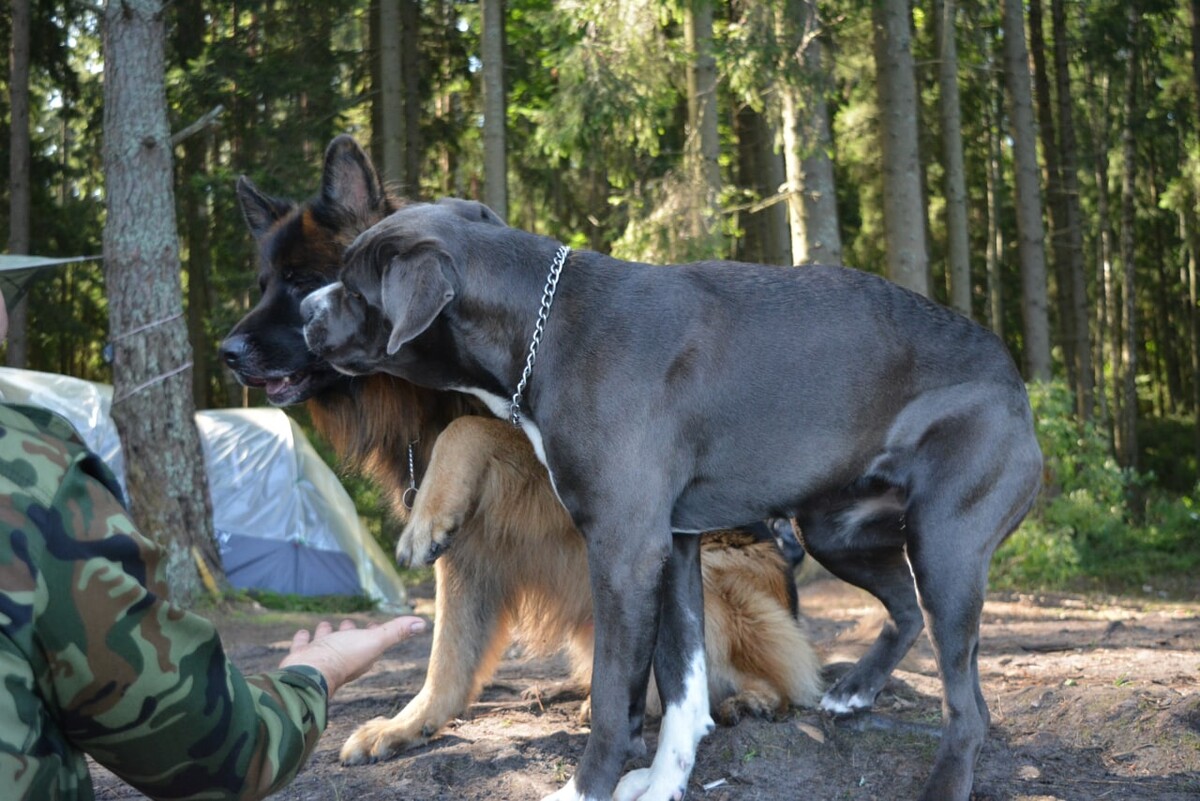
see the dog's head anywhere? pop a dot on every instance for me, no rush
(398, 277)
(300, 249)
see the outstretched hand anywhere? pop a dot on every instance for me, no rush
(343, 655)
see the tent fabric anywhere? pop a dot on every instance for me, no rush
(283, 520)
(17, 272)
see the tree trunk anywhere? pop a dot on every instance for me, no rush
(1045, 128)
(391, 95)
(959, 267)
(495, 160)
(189, 45)
(1030, 232)
(807, 143)
(1192, 229)
(1196, 57)
(1072, 229)
(760, 171)
(18, 176)
(994, 109)
(410, 54)
(1194, 240)
(703, 133)
(152, 403)
(903, 200)
(1127, 428)
(771, 175)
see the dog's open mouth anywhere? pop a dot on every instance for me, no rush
(282, 390)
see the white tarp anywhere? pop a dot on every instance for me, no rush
(283, 520)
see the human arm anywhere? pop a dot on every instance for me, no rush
(98, 661)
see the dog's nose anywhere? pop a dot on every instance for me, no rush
(233, 350)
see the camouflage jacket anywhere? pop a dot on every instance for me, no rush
(94, 659)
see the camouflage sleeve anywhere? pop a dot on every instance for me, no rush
(93, 660)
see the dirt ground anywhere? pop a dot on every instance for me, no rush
(1090, 698)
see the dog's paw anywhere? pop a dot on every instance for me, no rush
(633, 785)
(424, 539)
(750, 704)
(380, 739)
(846, 701)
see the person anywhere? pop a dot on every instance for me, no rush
(95, 660)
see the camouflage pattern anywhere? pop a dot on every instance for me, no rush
(94, 659)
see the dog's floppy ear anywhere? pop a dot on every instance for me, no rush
(261, 211)
(349, 181)
(472, 211)
(414, 291)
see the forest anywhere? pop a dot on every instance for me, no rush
(1034, 165)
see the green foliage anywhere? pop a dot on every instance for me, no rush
(321, 604)
(1084, 532)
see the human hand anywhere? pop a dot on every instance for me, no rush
(343, 655)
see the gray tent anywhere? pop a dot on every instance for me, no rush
(283, 520)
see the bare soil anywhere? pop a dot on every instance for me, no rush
(1091, 698)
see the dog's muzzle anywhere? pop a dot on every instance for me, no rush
(314, 310)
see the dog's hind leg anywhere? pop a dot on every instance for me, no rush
(680, 672)
(471, 630)
(974, 473)
(868, 554)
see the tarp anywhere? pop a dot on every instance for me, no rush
(17, 272)
(283, 520)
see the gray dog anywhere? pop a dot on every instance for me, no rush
(694, 397)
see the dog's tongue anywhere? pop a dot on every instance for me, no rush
(274, 385)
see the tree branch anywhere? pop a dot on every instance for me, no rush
(199, 125)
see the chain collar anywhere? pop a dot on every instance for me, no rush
(560, 259)
(410, 495)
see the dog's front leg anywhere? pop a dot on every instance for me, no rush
(626, 568)
(680, 671)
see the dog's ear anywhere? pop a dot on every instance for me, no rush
(350, 183)
(414, 291)
(261, 211)
(472, 211)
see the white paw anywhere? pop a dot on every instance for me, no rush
(567, 793)
(633, 785)
(845, 706)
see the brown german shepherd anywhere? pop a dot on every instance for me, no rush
(516, 567)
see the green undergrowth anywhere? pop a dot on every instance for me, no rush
(1096, 525)
(291, 602)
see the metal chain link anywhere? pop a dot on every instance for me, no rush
(560, 259)
(410, 495)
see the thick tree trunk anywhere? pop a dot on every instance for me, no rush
(807, 142)
(152, 402)
(1030, 231)
(18, 176)
(495, 159)
(958, 253)
(903, 200)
